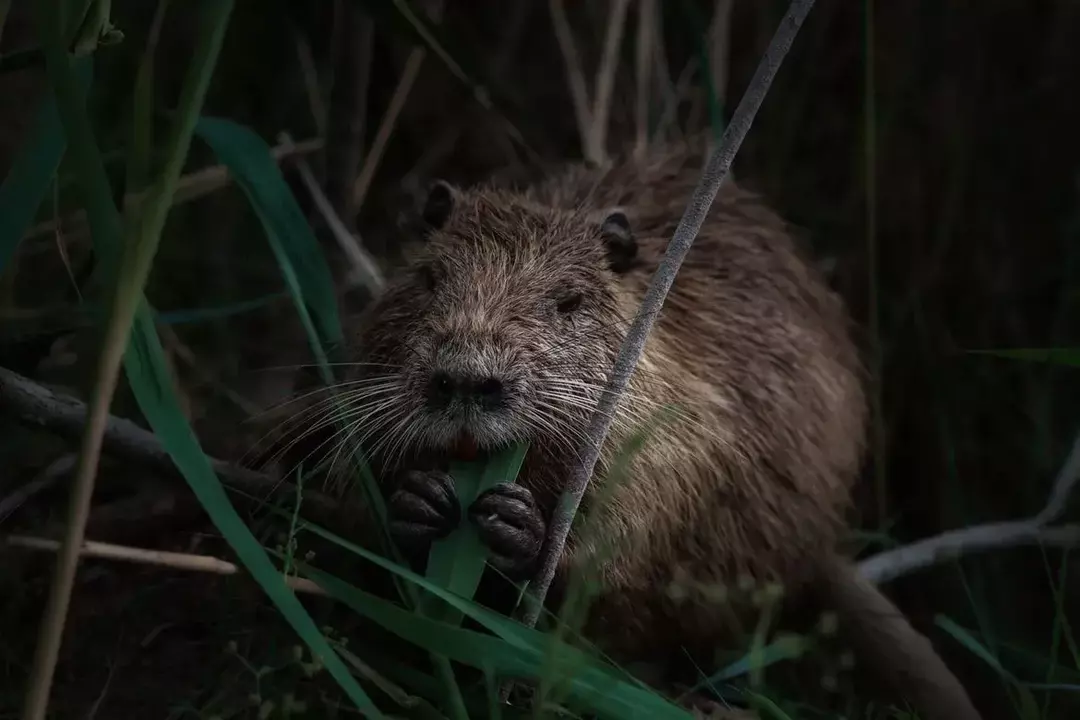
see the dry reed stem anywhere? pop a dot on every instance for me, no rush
(671, 104)
(175, 345)
(575, 79)
(445, 142)
(43, 481)
(605, 77)
(346, 123)
(632, 347)
(386, 127)
(311, 83)
(190, 187)
(160, 558)
(365, 269)
(389, 120)
(645, 45)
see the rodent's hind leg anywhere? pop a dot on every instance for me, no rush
(423, 508)
(510, 524)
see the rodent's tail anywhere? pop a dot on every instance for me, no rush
(895, 651)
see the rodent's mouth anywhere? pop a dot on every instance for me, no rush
(463, 437)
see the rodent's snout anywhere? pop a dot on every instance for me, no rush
(445, 387)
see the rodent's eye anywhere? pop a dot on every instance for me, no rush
(568, 303)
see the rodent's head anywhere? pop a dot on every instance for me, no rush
(500, 327)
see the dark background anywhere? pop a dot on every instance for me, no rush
(928, 149)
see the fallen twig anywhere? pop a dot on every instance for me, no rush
(161, 558)
(36, 405)
(891, 564)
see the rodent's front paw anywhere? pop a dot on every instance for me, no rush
(424, 508)
(510, 524)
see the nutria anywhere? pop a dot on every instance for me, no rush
(502, 326)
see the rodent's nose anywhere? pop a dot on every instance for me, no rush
(445, 387)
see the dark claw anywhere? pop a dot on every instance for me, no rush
(510, 524)
(424, 508)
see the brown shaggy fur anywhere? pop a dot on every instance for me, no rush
(750, 480)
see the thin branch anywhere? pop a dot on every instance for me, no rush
(189, 187)
(160, 558)
(715, 172)
(605, 76)
(1064, 484)
(891, 564)
(36, 405)
(575, 78)
(365, 270)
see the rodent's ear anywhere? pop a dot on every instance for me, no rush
(427, 207)
(438, 204)
(619, 241)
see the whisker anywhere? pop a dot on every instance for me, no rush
(344, 404)
(367, 411)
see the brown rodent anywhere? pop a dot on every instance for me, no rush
(503, 325)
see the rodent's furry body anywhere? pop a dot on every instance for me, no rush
(751, 476)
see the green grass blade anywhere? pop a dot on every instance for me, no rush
(785, 648)
(298, 254)
(508, 630)
(1027, 708)
(457, 562)
(598, 689)
(968, 640)
(293, 243)
(34, 168)
(153, 389)
(765, 707)
(149, 378)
